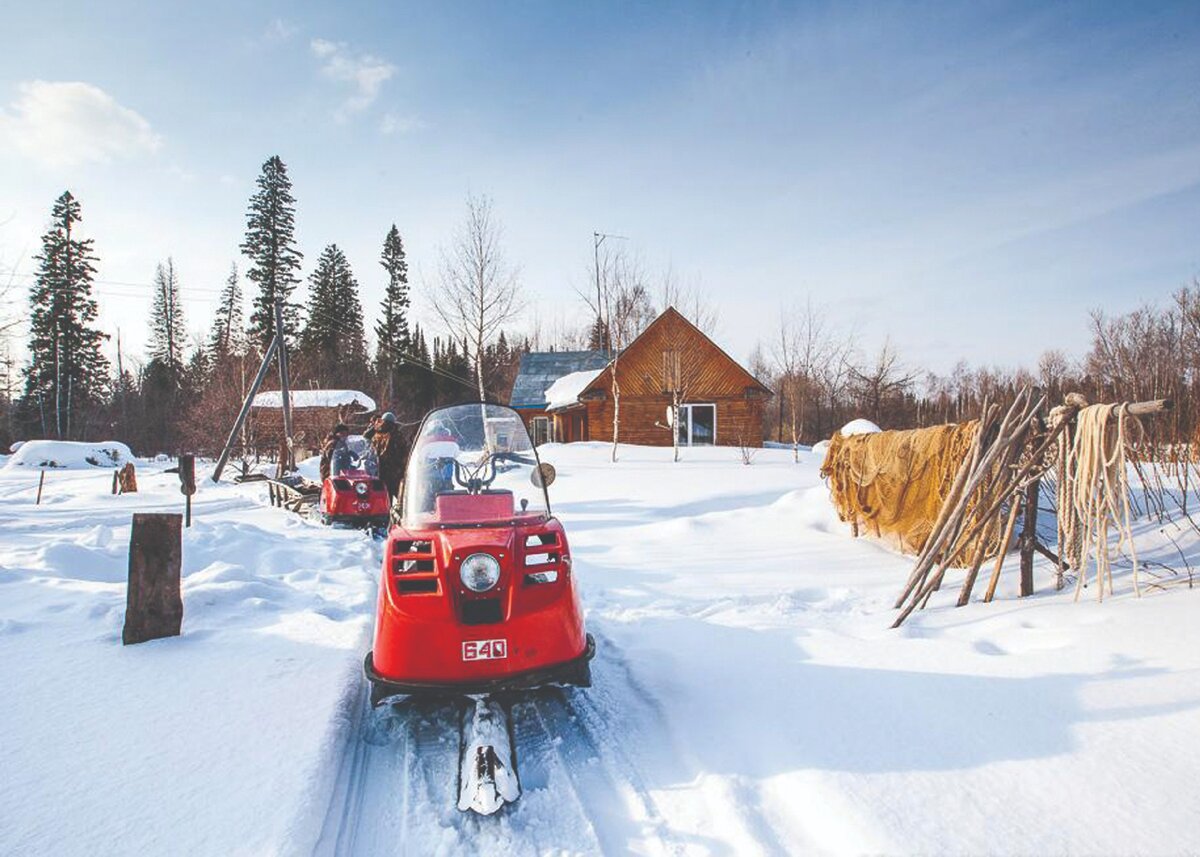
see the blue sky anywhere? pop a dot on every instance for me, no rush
(968, 179)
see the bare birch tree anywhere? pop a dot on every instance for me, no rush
(479, 291)
(623, 312)
(804, 346)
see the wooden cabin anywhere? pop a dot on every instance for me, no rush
(722, 404)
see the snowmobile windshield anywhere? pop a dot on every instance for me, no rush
(354, 456)
(472, 465)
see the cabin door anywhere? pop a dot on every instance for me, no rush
(697, 425)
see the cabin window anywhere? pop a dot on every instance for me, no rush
(697, 425)
(541, 430)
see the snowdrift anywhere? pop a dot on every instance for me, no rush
(70, 455)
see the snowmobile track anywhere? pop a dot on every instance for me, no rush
(580, 755)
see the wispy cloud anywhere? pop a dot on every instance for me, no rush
(396, 124)
(279, 30)
(68, 123)
(363, 73)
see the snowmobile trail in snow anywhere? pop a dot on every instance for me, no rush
(581, 791)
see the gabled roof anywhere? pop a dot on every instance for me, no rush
(672, 316)
(539, 369)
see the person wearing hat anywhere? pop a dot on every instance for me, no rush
(334, 447)
(390, 451)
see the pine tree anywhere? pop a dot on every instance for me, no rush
(67, 373)
(419, 380)
(271, 247)
(393, 338)
(167, 331)
(333, 338)
(228, 336)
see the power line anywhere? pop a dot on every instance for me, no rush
(123, 283)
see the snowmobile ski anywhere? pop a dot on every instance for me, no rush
(487, 778)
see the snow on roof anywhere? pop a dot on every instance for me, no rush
(539, 369)
(859, 426)
(70, 455)
(565, 391)
(315, 399)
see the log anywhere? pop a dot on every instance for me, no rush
(1029, 535)
(154, 605)
(1154, 406)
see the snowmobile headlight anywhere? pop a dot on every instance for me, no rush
(360, 488)
(479, 572)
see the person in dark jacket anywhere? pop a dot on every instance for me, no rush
(390, 451)
(334, 447)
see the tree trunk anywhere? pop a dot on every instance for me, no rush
(675, 425)
(616, 391)
(154, 606)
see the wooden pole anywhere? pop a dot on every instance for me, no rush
(241, 417)
(285, 390)
(1005, 544)
(41, 482)
(1028, 541)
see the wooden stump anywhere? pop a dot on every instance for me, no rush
(154, 606)
(127, 479)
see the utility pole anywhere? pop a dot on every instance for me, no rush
(597, 240)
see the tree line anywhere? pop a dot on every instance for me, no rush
(822, 381)
(185, 394)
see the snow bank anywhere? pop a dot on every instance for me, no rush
(859, 426)
(16, 444)
(70, 455)
(565, 391)
(315, 399)
(747, 689)
(820, 448)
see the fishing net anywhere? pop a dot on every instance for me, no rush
(892, 484)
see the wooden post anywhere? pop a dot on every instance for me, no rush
(241, 417)
(41, 482)
(187, 483)
(285, 388)
(1028, 538)
(154, 605)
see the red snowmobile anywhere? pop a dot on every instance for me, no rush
(477, 595)
(354, 495)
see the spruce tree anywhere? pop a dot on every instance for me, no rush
(271, 247)
(333, 338)
(167, 330)
(392, 334)
(228, 336)
(67, 373)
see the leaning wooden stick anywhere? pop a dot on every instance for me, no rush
(1005, 544)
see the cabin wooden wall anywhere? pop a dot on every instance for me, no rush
(739, 419)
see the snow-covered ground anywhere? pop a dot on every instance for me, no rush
(749, 695)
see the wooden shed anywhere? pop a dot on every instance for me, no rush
(314, 413)
(721, 402)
